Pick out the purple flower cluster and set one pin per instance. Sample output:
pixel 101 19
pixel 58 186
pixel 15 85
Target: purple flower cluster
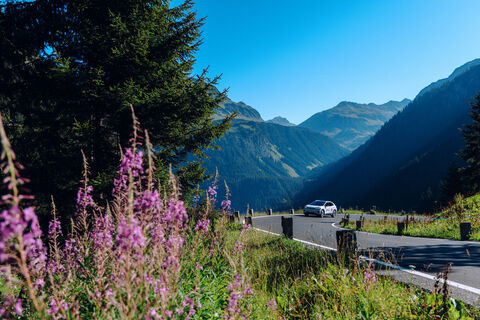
pixel 369 277
pixel 129 236
pixel 55 308
pixel 202 225
pixel 226 205
pixel 238 290
pixel 131 164
pixel 18 224
pixel 102 233
pixel 84 199
pixel 212 194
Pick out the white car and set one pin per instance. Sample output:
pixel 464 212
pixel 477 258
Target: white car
pixel 320 208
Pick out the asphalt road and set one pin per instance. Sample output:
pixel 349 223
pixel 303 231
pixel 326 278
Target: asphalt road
pixel 425 254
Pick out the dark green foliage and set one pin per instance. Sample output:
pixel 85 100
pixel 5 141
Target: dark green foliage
pixel 71 70
pixel 471 153
pixel 452 184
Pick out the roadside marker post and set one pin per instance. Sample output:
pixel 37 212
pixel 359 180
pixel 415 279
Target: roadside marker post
pixel 400 228
pixel 269 212
pixel 250 211
pixel 248 220
pixel 346 245
pixel 287 227
pixel 231 218
pixel 292 211
pixel 359 224
pixel 236 214
pixel 465 230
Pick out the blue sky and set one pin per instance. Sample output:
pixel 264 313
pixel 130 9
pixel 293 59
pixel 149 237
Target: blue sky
pixel 296 58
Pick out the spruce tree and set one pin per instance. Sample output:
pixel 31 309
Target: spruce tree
pixel 92 60
pixel 452 184
pixel 471 153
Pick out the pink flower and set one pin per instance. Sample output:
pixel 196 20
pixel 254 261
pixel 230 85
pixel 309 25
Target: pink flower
pixel 202 225
pixel 18 307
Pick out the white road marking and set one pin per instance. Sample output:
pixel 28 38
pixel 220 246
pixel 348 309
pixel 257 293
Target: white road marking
pixel 389 265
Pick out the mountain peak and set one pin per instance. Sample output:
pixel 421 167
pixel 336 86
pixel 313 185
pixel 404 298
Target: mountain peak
pixel 457 72
pixel 350 123
pixel 281 121
pixel 244 111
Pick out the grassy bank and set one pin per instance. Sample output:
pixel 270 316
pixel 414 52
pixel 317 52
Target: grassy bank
pixel 443 229
pixel 445 225
pixel 309 284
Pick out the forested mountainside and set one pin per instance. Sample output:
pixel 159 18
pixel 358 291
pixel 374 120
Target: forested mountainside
pixel 403 164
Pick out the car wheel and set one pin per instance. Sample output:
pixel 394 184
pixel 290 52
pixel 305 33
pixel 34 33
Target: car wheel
pixel 334 213
pixel 306 214
pixel 322 213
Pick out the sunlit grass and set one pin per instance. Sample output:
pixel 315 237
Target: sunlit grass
pixel 310 284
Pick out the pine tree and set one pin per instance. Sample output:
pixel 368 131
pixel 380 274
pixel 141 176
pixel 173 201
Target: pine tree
pixel 93 59
pixel 452 184
pixel 471 153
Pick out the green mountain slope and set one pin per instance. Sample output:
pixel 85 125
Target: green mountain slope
pixel 263 163
pixel 244 112
pixel 401 167
pixel 351 124
pixel 281 120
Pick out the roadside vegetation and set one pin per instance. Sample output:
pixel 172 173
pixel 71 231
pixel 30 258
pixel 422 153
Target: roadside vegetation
pixel 148 255
pixel 445 225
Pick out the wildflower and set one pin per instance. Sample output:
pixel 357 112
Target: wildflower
pixel 130 235
pixel 212 192
pixel 131 164
pixel 18 307
pixel 202 225
pixel 226 205
pixel 272 304
pixel 84 198
pixel 102 232
pixel 369 277
pixel 153 315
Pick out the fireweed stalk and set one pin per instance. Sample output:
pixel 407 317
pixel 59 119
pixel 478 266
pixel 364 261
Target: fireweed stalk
pixel 124 260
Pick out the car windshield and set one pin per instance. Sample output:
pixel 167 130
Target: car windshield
pixel 318 203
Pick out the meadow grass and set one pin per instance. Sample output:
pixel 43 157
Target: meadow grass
pixel 301 283
pixel 445 225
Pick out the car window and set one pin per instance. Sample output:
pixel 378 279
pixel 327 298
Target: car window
pixel 318 203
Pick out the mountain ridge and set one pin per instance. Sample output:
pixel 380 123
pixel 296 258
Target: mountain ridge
pixel 350 123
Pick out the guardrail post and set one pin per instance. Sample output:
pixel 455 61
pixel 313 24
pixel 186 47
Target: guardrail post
pixel 292 211
pixel 346 245
pixel 359 224
pixel 400 227
pixel 287 227
pixel 465 230
pixel 236 214
pixel 269 212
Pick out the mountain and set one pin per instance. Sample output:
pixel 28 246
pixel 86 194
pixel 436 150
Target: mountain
pixel 244 112
pixel 403 164
pixel 281 121
pixel 264 163
pixel 351 124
